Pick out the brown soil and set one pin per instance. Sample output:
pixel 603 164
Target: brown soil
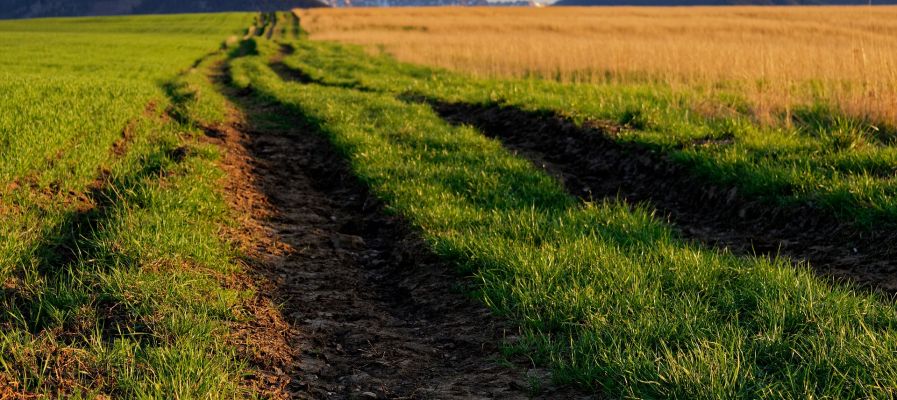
pixel 370 311
pixel 10 390
pixel 593 166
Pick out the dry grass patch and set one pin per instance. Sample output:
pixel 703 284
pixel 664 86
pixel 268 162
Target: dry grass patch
pixel 777 58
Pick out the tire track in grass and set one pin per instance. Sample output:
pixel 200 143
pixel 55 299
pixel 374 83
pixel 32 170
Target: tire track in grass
pixel 67 242
pixel 646 314
pixel 374 313
pixel 62 252
pixel 593 166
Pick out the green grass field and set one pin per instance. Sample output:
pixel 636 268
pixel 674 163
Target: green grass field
pixel 109 246
pixel 842 164
pixel 608 296
pixel 115 262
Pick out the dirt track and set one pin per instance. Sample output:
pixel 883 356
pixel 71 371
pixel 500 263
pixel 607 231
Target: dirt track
pixel 370 312
pixel 592 165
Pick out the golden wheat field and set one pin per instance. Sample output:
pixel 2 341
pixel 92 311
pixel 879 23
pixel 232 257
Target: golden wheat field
pixel 777 57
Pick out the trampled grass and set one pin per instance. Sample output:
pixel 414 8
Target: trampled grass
pixel 775 58
pixel 607 295
pixel 110 255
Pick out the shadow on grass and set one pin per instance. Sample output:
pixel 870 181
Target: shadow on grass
pixel 72 247
pixel 377 288
pixel 594 166
pixel 841 132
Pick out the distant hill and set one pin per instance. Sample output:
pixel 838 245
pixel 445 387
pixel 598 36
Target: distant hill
pixel 10 9
pixel 715 2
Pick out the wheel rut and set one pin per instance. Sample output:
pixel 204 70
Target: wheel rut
pixel 594 166
pixel 372 312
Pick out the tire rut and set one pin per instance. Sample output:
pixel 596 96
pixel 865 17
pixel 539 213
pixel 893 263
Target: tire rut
pixel 594 166
pixel 374 313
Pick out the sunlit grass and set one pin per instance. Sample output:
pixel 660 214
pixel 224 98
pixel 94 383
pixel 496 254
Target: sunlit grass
pixel 109 212
pixel 605 294
pixel 832 161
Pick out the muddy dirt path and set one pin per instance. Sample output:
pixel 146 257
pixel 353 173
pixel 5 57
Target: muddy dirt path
pixel 371 312
pixel 593 166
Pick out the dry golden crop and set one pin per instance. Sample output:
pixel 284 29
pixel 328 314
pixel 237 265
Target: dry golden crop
pixel 777 57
